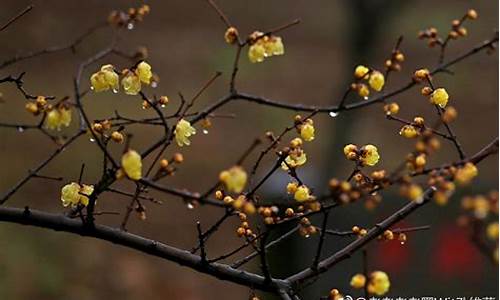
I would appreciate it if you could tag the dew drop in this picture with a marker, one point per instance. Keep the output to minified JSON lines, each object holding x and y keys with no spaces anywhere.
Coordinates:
{"x":115,"y":91}
{"x":163,"y":106}
{"x":365,"y":97}
{"x":92,"y":88}
{"x":20,"y":129}
{"x":333,"y":114}
{"x":307,"y":236}
{"x":205,"y":131}
{"x":130,"y":26}
{"x":92,"y":140}
{"x":154,"y":84}
{"x":402,"y":243}
{"x":190,"y":205}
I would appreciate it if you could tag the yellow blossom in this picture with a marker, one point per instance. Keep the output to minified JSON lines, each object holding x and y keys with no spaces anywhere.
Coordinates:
{"x":183,"y":130}
{"x":234,"y":179}
{"x":376,"y":81}
{"x":492,"y":231}
{"x":274,"y":46}
{"x":302,"y":194}
{"x":74,"y":194}
{"x":144,"y":73}
{"x":256,"y":53}
{"x":409,"y":131}
{"x":361,"y":71}
{"x":57,"y":118}
{"x":415,"y":193}
{"x":105,"y":79}
{"x":132,"y":164}
{"x":358,"y":281}
{"x":439,"y":97}
{"x":307,"y":131}
{"x":131,"y":83}
{"x":295,"y":159}
{"x":369,"y":155}
{"x":363,"y":90}
{"x":291,"y":188}
{"x":379,"y":283}
{"x":466,"y":173}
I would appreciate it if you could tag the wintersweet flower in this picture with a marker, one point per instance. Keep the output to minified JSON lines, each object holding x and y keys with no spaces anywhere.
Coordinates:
{"x":131,"y":83}
{"x":183,"y":130}
{"x":57,"y":118}
{"x":296,"y":158}
{"x":465,"y":174}
{"x":144,"y":73}
{"x":307,"y":130}
{"x":361,"y":71}
{"x":302,"y":193}
{"x":105,"y":79}
{"x":234,"y":179}
{"x":264,"y":46}
{"x":256,"y":53}
{"x":376,"y":81}
{"x":74,"y":194}
{"x":379,"y":283}
{"x":132,"y":164}
{"x":409,"y":131}
{"x":369,"y":155}
{"x":439,"y":97}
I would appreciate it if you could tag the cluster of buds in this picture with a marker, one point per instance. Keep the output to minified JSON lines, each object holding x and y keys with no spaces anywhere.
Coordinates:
{"x":427,"y":143}
{"x":412,"y":191}
{"x":481,"y":206}
{"x":358,"y":231}
{"x":375,"y":79}
{"x":394,"y":62}
{"x":241,"y":204}
{"x":301,"y":193}
{"x":102,"y":128}
{"x":38,"y":106}
{"x":437,"y":96}
{"x":167,"y":167}
{"x":378,"y":282}
{"x":364,"y":156}
{"x":343,"y":191}
{"x":140,"y":211}
{"x":305,"y":128}
{"x":416,"y":161}
{"x":162,"y":101}
{"x":306,"y":229}
{"x":244,"y":229}
{"x":263,"y":46}
{"x":457,"y":31}
{"x":465,"y":173}
{"x":128,"y":18}
{"x":296,"y":156}
{"x":391,"y":108}
{"x":269,"y":214}
{"x":444,"y":187}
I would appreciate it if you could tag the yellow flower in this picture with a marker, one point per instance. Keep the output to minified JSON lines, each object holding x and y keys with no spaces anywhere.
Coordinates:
{"x":57,"y":118}
{"x":105,"y":79}
{"x":369,"y":155}
{"x":183,"y":130}
{"x":256,"y":53}
{"x":234,"y":179}
{"x":358,"y":281}
{"x":307,"y":131}
{"x":363,"y":90}
{"x":74,"y":194}
{"x":291,"y":188}
{"x":274,"y":46}
{"x":409,"y":131}
{"x":302,"y":194}
{"x":144,"y":73}
{"x":379,"y":283}
{"x":131,"y":84}
{"x":361,"y":71}
{"x":296,"y":158}
{"x":465,"y":174}
{"x":440,"y":97}
{"x":132,"y":164}
{"x":415,"y":193}
{"x":376,"y":81}
{"x":492,"y":231}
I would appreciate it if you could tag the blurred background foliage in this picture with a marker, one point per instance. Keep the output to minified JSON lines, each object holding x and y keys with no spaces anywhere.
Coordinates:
{"x":186,"y":47}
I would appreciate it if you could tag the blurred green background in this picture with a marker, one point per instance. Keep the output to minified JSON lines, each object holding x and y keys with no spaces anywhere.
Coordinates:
{"x":185,"y":42}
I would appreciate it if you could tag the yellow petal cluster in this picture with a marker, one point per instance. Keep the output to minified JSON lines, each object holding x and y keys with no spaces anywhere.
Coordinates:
{"x":132,"y":164}
{"x":376,"y":81}
{"x":302,"y":193}
{"x":105,"y":79}
{"x":131,"y":83}
{"x":144,"y":73}
{"x":360,"y":71}
{"x":439,"y":97}
{"x":379,"y":283}
{"x":183,"y":130}
{"x":74,"y":194}
{"x":265,"y":46}
{"x":234,"y":179}
{"x":57,"y":118}
{"x":409,"y":131}
{"x":307,"y":130}
{"x":296,"y":158}
{"x":369,"y":155}
{"x":466,"y":173}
